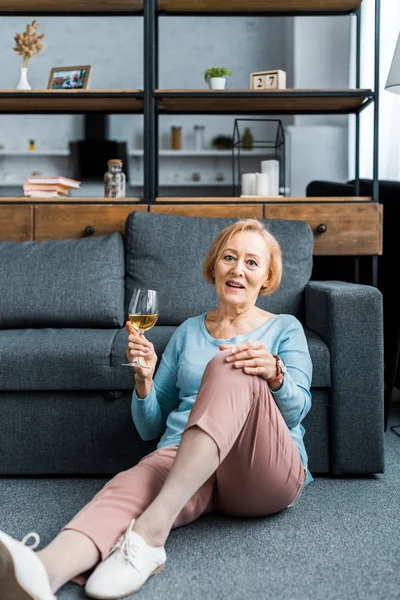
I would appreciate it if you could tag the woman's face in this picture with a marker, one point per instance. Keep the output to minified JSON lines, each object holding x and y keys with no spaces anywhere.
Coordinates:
{"x":242,"y":269}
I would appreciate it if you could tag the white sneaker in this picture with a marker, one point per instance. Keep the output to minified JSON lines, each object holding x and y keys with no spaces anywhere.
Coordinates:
{"x":22,"y":573}
{"x":128,"y":566}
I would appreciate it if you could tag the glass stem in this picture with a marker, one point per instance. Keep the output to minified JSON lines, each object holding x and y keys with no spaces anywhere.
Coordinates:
{"x":137,"y":360}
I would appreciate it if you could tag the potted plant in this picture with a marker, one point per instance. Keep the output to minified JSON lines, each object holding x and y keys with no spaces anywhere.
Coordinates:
{"x":216,"y":77}
{"x":222,"y":142}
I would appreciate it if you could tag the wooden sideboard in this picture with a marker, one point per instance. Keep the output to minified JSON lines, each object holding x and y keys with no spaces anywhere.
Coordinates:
{"x":341,"y":226}
{"x":22,"y":221}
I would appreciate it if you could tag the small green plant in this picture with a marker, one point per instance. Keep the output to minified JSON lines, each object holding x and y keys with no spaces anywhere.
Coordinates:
{"x":222,"y":142}
{"x":216,"y":72}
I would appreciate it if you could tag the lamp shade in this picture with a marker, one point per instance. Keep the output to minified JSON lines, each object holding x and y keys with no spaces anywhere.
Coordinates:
{"x":393,"y":80}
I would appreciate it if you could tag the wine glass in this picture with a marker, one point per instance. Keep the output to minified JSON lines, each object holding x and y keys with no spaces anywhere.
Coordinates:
{"x":143,"y":315}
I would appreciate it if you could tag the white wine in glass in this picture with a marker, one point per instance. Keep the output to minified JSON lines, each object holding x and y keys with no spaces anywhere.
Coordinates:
{"x":143,"y":315}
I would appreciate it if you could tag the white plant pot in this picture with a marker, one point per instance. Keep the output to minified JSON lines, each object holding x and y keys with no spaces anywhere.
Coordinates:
{"x":217,"y":83}
{"x":23,"y":83}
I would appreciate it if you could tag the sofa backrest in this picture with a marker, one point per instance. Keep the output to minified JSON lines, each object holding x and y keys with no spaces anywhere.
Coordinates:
{"x":62,"y":283}
{"x":166,"y":253}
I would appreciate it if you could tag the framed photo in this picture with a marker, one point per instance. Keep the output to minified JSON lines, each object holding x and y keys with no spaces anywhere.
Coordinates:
{"x":69,"y":78}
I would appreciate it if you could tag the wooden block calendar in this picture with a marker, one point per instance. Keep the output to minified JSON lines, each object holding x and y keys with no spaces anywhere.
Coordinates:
{"x":268,"y":80}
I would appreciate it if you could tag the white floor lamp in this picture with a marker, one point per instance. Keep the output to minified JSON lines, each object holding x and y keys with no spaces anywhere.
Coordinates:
{"x":393,"y":80}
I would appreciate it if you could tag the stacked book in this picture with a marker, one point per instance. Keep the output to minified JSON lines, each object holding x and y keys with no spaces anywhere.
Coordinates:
{"x":53,"y":186}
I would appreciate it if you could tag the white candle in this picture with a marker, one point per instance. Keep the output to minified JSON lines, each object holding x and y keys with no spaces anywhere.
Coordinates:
{"x":271,"y":167}
{"x":262,"y":184}
{"x":248,"y":184}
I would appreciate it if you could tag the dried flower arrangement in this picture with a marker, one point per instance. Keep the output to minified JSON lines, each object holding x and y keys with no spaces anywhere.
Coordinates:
{"x":28,"y":44}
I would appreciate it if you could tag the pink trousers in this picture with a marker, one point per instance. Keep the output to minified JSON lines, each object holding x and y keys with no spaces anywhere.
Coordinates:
{"x":260,"y":471}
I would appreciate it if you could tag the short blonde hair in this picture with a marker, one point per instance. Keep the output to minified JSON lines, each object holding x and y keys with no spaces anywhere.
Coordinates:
{"x":222,"y":240}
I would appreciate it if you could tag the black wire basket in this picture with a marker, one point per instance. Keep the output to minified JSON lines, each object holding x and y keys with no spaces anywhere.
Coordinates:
{"x":269,"y":135}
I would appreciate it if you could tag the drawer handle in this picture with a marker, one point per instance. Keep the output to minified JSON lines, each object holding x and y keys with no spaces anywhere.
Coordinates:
{"x":89,"y":230}
{"x":321,"y":228}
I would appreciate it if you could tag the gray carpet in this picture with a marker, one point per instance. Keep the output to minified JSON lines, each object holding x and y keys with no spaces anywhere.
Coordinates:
{"x":341,"y":541}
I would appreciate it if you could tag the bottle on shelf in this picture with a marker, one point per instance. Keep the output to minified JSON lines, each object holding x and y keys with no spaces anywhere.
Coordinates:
{"x":199,"y":137}
{"x":114,"y":179}
{"x":247,"y":139}
{"x":176,"y":138}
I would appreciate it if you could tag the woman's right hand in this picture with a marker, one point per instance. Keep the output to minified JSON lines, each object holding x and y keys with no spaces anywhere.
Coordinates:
{"x":140,"y":347}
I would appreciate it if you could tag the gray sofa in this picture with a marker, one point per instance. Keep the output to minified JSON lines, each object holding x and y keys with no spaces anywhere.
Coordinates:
{"x":64,"y":396}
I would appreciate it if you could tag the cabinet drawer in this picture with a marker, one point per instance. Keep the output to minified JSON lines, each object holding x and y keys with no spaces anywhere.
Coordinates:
{"x":16,"y":223}
{"x":57,"y":222}
{"x":240,"y":211}
{"x":339,"y":229}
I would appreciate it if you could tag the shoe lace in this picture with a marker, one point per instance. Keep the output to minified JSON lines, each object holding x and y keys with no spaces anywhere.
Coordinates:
{"x":35,"y":543}
{"x":128,"y":548}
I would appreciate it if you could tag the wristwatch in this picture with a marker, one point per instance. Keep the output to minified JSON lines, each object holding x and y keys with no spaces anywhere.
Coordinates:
{"x":280,"y":369}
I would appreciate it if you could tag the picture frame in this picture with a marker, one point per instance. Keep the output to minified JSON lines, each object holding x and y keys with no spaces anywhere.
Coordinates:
{"x":268,"y":80}
{"x":69,"y":78}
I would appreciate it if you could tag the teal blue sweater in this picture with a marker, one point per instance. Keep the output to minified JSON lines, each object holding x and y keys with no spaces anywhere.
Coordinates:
{"x":166,"y":408}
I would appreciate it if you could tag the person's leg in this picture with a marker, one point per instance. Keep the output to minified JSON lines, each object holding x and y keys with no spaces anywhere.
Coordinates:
{"x":226,"y":400}
{"x":69,"y":554}
{"x":198,"y":455}
{"x":96,"y":528}
{"x":196,"y":461}
{"x":260,"y":472}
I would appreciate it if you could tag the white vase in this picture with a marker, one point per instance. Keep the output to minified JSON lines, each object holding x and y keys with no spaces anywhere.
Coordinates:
{"x":23,"y":83}
{"x":217,"y":83}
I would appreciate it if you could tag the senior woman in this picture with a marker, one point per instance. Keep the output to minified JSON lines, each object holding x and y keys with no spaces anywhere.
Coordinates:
{"x":231,"y":390}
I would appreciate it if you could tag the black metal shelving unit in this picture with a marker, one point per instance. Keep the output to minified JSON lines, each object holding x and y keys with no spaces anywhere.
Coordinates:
{"x":153,"y":102}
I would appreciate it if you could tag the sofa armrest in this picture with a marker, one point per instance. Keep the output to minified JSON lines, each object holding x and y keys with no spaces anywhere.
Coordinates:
{"x":349,"y":318}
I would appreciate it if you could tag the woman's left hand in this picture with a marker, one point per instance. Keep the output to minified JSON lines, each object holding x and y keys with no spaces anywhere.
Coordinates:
{"x":252,"y":357}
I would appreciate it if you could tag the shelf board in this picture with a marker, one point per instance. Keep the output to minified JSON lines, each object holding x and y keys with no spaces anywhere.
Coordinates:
{"x":34,"y":153}
{"x":66,"y":7}
{"x":258,"y":6}
{"x":173,"y":200}
{"x":71,"y":101}
{"x":288,"y":101}
{"x":67,"y":200}
{"x":207,"y":153}
{"x":174,"y":7}
{"x":186,"y":184}
{"x":186,"y":101}
{"x":264,"y":199}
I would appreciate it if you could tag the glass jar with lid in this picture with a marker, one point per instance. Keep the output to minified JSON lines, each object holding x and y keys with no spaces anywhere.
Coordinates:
{"x":114,"y":179}
{"x":199,"y":137}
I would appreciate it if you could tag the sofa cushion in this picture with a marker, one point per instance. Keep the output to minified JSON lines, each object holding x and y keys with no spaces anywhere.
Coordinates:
{"x":166,"y":253}
{"x":56,"y":359}
{"x":62,"y":283}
